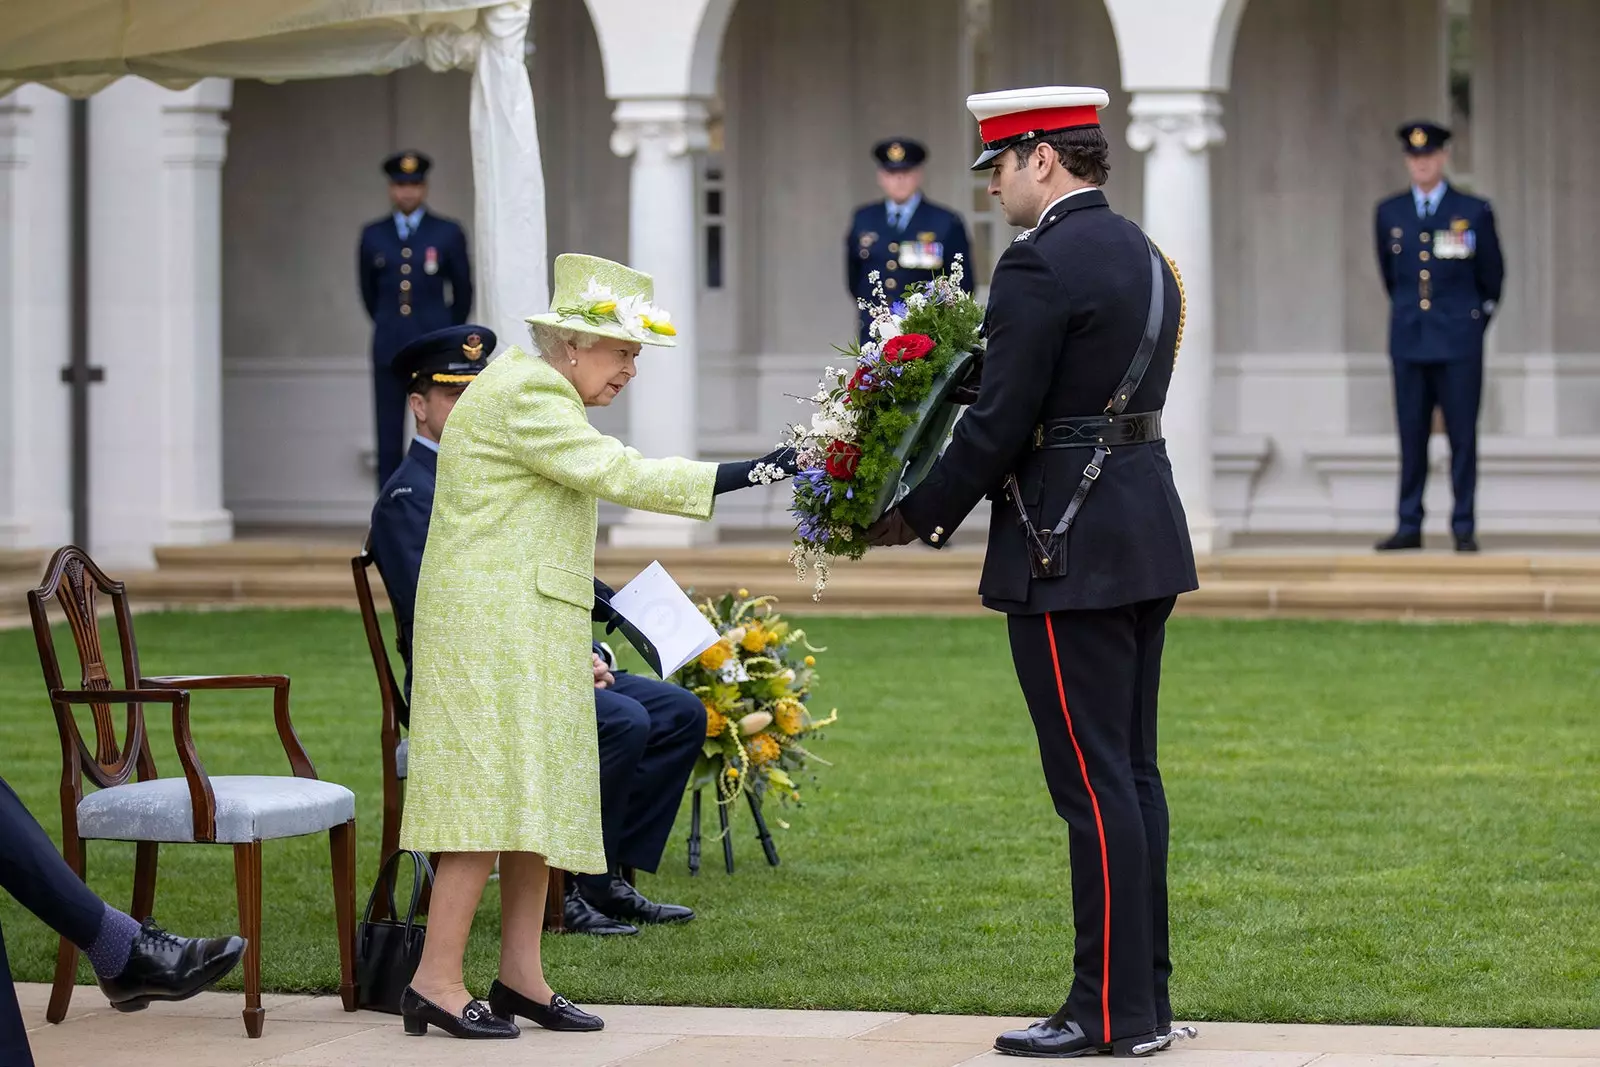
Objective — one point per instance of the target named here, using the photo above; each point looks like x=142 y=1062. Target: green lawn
x=1371 y=823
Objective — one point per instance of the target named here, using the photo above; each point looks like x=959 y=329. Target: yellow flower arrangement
x=756 y=684
x=716 y=722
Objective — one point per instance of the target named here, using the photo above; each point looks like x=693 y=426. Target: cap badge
x=1419 y=137
x=473 y=348
x=408 y=164
x=896 y=153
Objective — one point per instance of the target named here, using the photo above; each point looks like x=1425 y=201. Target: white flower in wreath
x=885 y=328
x=733 y=672
x=916 y=300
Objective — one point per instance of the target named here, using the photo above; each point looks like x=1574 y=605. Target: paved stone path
x=315 y=1032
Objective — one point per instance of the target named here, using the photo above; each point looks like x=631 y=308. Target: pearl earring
x=573 y=362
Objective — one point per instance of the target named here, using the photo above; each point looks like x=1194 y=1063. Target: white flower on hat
x=630 y=315
x=657 y=320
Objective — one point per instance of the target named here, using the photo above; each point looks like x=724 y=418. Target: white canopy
x=80 y=46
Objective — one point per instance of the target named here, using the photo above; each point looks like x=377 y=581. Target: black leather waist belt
x=1090 y=431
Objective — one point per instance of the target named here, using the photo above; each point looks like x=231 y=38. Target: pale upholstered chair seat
x=250 y=807
x=400 y=754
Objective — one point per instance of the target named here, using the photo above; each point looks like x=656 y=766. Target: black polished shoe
x=1466 y=544
x=162 y=966
x=474 y=1022
x=621 y=901
x=1399 y=541
x=559 y=1014
x=1059 y=1038
x=578 y=916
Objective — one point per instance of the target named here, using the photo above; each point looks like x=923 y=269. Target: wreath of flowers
x=599 y=305
x=755 y=683
x=849 y=451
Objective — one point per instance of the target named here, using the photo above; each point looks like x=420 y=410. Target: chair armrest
x=299 y=760
x=203 y=802
x=218 y=681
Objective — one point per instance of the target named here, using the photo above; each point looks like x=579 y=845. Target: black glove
x=890 y=530
x=736 y=475
x=967 y=391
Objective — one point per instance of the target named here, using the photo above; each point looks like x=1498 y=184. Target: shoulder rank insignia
x=1023 y=236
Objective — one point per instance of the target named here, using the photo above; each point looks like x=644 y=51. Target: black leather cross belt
x=1090 y=431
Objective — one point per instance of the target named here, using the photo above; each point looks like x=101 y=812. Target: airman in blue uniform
x=650 y=732
x=415 y=278
x=1440 y=260
x=904 y=237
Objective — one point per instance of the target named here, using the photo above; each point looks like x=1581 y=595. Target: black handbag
x=388 y=950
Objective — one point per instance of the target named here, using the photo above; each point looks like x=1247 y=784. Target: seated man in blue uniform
x=1440 y=261
x=405 y=260
x=904 y=237
x=650 y=732
x=135 y=962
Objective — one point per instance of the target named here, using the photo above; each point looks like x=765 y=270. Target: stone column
x=155 y=296
x=1175 y=131
x=663 y=137
x=35 y=329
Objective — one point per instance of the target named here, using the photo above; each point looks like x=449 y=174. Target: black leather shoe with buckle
x=578 y=916
x=559 y=1014
x=1059 y=1038
x=163 y=966
x=474 y=1022
x=626 y=904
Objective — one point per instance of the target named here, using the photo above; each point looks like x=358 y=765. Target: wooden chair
x=394 y=748
x=237 y=810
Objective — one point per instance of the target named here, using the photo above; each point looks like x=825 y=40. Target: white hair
x=550 y=340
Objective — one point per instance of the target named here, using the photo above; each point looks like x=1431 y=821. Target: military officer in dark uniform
x=405 y=261
x=650 y=731
x=1088 y=545
x=1440 y=260
x=904 y=237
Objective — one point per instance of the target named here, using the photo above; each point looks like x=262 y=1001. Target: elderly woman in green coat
x=503 y=758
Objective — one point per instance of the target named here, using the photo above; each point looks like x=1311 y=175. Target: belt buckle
x=1092 y=472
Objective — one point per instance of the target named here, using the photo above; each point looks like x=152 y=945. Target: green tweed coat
x=503 y=750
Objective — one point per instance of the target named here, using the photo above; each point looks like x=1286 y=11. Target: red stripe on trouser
x=1100 y=828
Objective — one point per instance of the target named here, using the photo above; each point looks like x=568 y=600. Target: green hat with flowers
x=607 y=299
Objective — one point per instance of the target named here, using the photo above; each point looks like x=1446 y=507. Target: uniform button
x=1426 y=235
x=1426 y=304
x=1475 y=313
x=405 y=253
x=892 y=265
x=405 y=268
x=864 y=253
x=405 y=309
x=891 y=284
x=1394 y=248
x=1424 y=256
x=934 y=538
x=938 y=529
x=894 y=246
x=1424 y=275
x=405 y=287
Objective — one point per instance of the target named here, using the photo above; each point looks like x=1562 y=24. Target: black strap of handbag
x=420 y=869
x=1115 y=406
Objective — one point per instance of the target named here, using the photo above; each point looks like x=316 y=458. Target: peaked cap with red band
x=1014 y=115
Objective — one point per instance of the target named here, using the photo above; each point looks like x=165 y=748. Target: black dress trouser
x=33 y=872
x=1091 y=680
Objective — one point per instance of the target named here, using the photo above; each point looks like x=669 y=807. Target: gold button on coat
x=1424 y=256
x=1426 y=304
x=405 y=287
x=894 y=246
x=405 y=309
x=405 y=253
x=1426 y=235
x=892 y=265
x=405 y=268
x=891 y=284
x=1424 y=275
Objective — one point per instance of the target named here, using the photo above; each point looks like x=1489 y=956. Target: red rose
x=907 y=347
x=842 y=457
x=858 y=384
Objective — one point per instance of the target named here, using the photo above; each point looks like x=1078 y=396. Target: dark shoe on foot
x=559 y=1014
x=474 y=1022
x=1466 y=544
x=623 y=902
x=578 y=916
x=1059 y=1038
x=163 y=966
x=1400 y=540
